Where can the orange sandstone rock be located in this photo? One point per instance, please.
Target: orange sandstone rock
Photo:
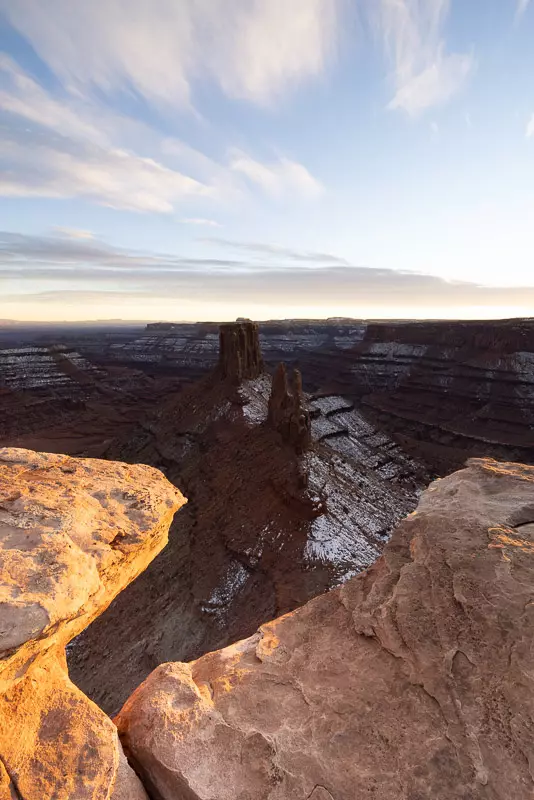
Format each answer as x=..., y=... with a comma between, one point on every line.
x=73, y=534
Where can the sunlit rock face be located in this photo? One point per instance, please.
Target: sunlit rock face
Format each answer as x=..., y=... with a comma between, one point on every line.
x=73, y=533
x=412, y=681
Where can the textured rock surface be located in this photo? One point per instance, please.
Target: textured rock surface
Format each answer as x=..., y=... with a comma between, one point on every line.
x=412, y=681
x=239, y=351
x=287, y=410
x=454, y=389
x=254, y=541
x=73, y=533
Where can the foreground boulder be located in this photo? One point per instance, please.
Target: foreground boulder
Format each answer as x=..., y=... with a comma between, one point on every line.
x=413, y=681
x=73, y=533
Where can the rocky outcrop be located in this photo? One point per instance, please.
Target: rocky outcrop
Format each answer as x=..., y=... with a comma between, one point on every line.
x=287, y=410
x=255, y=540
x=412, y=681
x=239, y=351
x=460, y=388
x=73, y=534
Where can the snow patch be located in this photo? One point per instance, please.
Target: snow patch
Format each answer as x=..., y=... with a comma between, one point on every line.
x=221, y=597
x=256, y=393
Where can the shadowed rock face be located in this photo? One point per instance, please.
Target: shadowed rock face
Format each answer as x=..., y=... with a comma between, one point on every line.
x=287, y=410
x=239, y=351
x=412, y=681
x=264, y=530
x=73, y=533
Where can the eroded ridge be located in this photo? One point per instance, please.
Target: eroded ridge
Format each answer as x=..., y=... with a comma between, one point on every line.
x=73, y=534
x=413, y=680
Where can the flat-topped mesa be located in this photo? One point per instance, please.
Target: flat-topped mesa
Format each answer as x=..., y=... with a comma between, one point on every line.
x=73, y=533
x=287, y=410
x=239, y=351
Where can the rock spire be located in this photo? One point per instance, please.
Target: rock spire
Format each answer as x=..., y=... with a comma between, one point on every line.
x=239, y=352
x=287, y=409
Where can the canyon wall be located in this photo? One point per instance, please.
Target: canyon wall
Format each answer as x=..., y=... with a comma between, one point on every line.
x=446, y=390
x=73, y=534
x=287, y=498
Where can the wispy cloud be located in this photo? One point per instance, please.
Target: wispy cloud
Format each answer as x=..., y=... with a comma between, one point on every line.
x=83, y=271
x=58, y=149
x=73, y=233
x=522, y=6
x=424, y=72
x=530, y=127
x=254, y=50
x=276, y=251
x=208, y=223
x=48, y=165
x=279, y=178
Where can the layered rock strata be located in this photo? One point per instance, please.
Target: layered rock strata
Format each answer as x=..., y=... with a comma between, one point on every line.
x=255, y=540
x=452, y=389
x=287, y=410
x=239, y=351
x=412, y=681
x=73, y=534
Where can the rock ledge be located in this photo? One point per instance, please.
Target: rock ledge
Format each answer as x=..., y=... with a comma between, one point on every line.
x=73, y=534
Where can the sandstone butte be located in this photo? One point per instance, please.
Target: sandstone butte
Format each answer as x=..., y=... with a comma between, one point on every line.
x=73, y=533
x=413, y=681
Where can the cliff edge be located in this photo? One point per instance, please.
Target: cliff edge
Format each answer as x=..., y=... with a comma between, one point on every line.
x=413, y=680
x=73, y=534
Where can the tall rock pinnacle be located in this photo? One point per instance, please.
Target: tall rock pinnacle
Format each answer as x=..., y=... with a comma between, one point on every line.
x=239, y=352
x=287, y=410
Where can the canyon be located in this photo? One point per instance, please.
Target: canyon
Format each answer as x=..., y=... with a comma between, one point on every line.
x=314, y=600
x=412, y=680
x=449, y=390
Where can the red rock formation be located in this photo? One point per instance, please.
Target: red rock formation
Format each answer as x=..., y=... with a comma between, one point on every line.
x=287, y=411
x=240, y=354
x=413, y=681
x=73, y=533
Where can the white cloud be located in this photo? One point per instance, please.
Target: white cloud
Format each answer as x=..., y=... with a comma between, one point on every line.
x=530, y=127
x=73, y=233
x=425, y=74
x=56, y=149
x=43, y=165
x=277, y=251
x=209, y=223
x=281, y=178
x=255, y=50
x=21, y=96
x=522, y=6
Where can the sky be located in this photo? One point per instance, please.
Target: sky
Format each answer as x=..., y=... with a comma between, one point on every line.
x=209, y=159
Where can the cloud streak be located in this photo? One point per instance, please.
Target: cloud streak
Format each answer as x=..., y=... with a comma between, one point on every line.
x=83, y=271
x=278, y=179
x=424, y=72
x=276, y=251
x=252, y=49
x=65, y=154
x=208, y=223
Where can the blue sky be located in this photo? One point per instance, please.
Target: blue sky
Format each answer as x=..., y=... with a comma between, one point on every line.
x=207, y=159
